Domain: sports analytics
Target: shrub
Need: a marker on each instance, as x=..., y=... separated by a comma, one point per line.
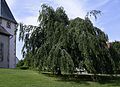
x=24, y=67
x=20, y=63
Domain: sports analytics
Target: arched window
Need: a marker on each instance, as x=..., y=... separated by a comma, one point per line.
x=1, y=51
x=8, y=24
x=0, y=21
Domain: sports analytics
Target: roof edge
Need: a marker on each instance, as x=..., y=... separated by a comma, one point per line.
x=4, y=32
x=9, y=20
x=5, y=12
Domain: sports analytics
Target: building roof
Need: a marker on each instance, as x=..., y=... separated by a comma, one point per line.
x=4, y=32
x=5, y=12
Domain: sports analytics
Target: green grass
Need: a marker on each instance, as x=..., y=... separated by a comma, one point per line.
x=27, y=78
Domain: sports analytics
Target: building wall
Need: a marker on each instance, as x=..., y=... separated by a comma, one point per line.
x=12, y=44
x=5, y=41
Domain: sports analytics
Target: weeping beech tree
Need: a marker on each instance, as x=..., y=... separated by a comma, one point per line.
x=59, y=44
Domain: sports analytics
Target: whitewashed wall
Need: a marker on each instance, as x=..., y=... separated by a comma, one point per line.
x=12, y=49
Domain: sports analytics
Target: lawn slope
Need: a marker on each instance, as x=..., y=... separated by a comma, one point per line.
x=27, y=78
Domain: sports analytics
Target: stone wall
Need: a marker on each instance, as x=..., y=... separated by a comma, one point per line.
x=4, y=51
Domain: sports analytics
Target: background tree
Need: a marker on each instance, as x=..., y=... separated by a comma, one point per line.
x=114, y=48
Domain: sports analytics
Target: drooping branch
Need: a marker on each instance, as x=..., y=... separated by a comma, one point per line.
x=93, y=13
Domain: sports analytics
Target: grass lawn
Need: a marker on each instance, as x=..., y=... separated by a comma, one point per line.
x=27, y=78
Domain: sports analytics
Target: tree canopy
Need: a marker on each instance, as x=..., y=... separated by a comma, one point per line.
x=64, y=44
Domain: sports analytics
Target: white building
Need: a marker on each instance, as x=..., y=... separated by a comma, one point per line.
x=7, y=37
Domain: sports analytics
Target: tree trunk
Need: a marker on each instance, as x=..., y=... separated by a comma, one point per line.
x=58, y=71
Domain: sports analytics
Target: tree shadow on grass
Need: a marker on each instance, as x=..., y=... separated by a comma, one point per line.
x=69, y=78
x=114, y=81
x=85, y=79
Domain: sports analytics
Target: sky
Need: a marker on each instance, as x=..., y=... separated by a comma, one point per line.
x=27, y=11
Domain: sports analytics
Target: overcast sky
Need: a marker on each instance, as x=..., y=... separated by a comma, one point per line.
x=27, y=11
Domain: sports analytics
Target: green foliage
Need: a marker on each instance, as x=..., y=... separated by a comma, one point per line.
x=92, y=45
x=93, y=13
x=24, y=67
x=65, y=44
x=115, y=53
x=20, y=63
